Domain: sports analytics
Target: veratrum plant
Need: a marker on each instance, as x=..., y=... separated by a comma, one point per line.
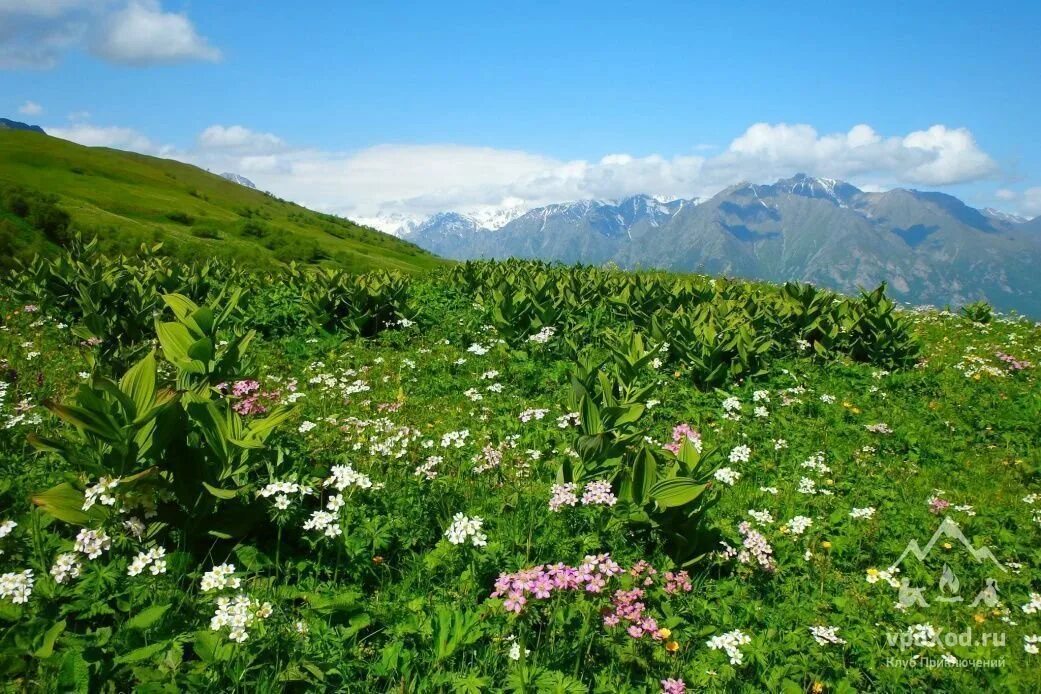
x=874, y=332
x=193, y=344
x=978, y=312
x=160, y=445
x=658, y=494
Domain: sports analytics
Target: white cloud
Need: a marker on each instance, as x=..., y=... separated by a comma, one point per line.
x=115, y=137
x=236, y=137
x=1005, y=194
x=142, y=34
x=30, y=108
x=1031, y=205
x=418, y=180
x=36, y=33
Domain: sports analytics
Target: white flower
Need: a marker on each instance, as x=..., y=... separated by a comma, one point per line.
x=92, y=543
x=763, y=517
x=17, y=587
x=66, y=566
x=219, y=578
x=730, y=642
x=306, y=426
x=464, y=528
x=543, y=336
x=780, y=444
x=826, y=636
x=1034, y=605
x=238, y=614
x=727, y=475
x=799, y=524
x=99, y=493
x=1030, y=643
x=740, y=454
x=6, y=527
x=859, y=513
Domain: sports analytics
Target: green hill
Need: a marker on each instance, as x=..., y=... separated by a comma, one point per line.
x=126, y=199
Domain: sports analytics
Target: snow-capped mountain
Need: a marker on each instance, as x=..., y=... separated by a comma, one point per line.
x=236, y=178
x=929, y=247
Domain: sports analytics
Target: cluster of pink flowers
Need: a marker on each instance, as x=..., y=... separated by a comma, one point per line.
x=754, y=547
x=1012, y=363
x=680, y=433
x=542, y=581
x=938, y=505
x=673, y=686
x=628, y=609
x=249, y=396
x=596, y=493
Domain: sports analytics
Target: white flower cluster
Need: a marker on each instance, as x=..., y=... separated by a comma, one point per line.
x=455, y=439
x=154, y=560
x=99, y=493
x=92, y=543
x=732, y=408
x=826, y=636
x=1031, y=643
x=238, y=614
x=727, y=476
x=66, y=566
x=6, y=527
x=543, y=336
x=1034, y=605
x=219, y=578
x=571, y=419
x=478, y=349
x=862, y=513
x=306, y=426
x=528, y=415
x=17, y=587
x=343, y=476
x=281, y=492
x=324, y=521
x=880, y=428
x=816, y=462
x=740, y=454
x=763, y=517
x=730, y=643
x=429, y=468
x=887, y=575
x=464, y=528
x=799, y=524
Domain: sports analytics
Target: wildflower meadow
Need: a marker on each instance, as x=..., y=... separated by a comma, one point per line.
x=509, y=477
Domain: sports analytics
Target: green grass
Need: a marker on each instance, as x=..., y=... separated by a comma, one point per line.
x=391, y=605
x=127, y=199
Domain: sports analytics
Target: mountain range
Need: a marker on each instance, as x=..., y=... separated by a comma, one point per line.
x=931, y=248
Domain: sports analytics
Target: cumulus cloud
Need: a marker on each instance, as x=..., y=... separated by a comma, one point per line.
x=34, y=34
x=238, y=138
x=1026, y=203
x=30, y=108
x=418, y=180
x=142, y=34
x=115, y=137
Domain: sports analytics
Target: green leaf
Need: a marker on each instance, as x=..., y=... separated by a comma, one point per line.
x=139, y=383
x=73, y=674
x=46, y=648
x=679, y=491
x=63, y=502
x=146, y=617
x=143, y=653
x=221, y=493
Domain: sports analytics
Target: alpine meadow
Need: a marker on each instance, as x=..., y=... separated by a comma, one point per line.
x=442, y=389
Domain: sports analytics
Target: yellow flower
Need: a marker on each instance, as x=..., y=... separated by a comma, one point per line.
x=827, y=545
x=855, y=410
x=947, y=545
x=817, y=687
x=979, y=617
x=872, y=572
x=672, y=646
x=664, y=633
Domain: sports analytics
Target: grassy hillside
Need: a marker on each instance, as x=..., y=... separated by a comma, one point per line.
x=127, y=199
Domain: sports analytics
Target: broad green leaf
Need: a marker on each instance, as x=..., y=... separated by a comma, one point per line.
x=677, y=491
x=146, y=617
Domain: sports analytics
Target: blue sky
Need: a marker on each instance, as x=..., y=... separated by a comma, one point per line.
x=378, y=108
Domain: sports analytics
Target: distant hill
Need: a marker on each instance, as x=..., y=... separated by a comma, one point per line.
x=6, y=124
x=127, y=199
x=930, y=247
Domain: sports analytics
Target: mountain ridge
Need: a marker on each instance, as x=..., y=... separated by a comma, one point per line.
x=930, y=247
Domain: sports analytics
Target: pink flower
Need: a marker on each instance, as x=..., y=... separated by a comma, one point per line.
x=673, y=686
x=515, y=602
x=680, y=433
x=635, y=631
